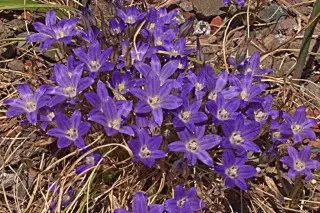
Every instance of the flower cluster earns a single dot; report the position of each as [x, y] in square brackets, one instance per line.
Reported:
[134, 90]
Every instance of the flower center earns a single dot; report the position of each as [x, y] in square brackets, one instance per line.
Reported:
[145, 152]
[115, 124]
[60, 34]
[296, 128]
[94, 65]
[70, 92]
[122, 87]
[181, 201]
[276, 134]
[151, 26]
[154, 101]
[31, 106]
[90, 160]
[299, 165]
[180, 65]
[232, 172]
[192, 146]
[222, 114]
[236, 138]
[259, 115]
[212, 96]
[243, 95]
[72, 134]
[130, 20]
[199, 86]
[249, 70]
[116, 30]
[158, 42]
[65, 199]
[50, 116]
[185, 116]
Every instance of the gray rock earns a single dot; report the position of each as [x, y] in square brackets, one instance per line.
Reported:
[208, 8]
[16, 65]
[186, 6]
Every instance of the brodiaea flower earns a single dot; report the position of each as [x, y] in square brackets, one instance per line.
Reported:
[146, 148]
[97, 99]
[70, 130]
[51, 32]
[195, 145]
[113, 117]
[89, 161]
[239, 134]
[131, 16]
[70, 84]
[140, 205]
[233, 170]
[184, 201]
[299, 163]
[300, 126]
[154, 98]
[28, 103]
[66, 197]
[188, 115]
[95, 60]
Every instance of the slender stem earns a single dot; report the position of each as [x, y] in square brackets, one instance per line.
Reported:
[306, 42]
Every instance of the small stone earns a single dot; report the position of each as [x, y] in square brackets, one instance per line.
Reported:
[208, 8]
[188, 15]
[186, 6]
[313, 181]
[216, 21]
[16, 65]
[212, 39]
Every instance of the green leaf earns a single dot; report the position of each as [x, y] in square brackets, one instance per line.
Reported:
[29, 5]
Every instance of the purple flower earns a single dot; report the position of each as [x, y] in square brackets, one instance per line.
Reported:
[164, 72]
[233, 170]
[90, 160]
[185, 201]
[188, 115]
[280, 132]
[66, 197]
[239, 134]
[29, 103]
[250, 65]
[69, 67]
[300, 126]
[261, 111]
[48, 114]
[70, 130]
[249, 91]
[51, 32]
[218, 84]
[177, 47]
[154, 98]
[70, 84]
[196, 82]
[195, 145]
[92, 34]
[131, 16]
[95, 60]
[162, 37]
[97, 99]
[122, 83]
[223, 111]
[143, 51]
[299, 163]
[116, 26]
[113, 117]
[140, 205]
[146, 148]
[240, 2]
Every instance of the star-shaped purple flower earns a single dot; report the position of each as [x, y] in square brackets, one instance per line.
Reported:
[299, 163]
[188, 115]
[89, 161]
[29, 103]
[300, 126]
[185, 201]
[95, 60]
[146, 148]
[140, 205]
[116, 26]
[233, 170]
[51, 32]
[239, 134]
[280, 132]
[97, 99]
[195, 145]
[70, 84]
[113, 117]
[154, 98]
[131, 16]
[70, 130]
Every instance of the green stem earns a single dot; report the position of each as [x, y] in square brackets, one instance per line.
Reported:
[306, 41]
